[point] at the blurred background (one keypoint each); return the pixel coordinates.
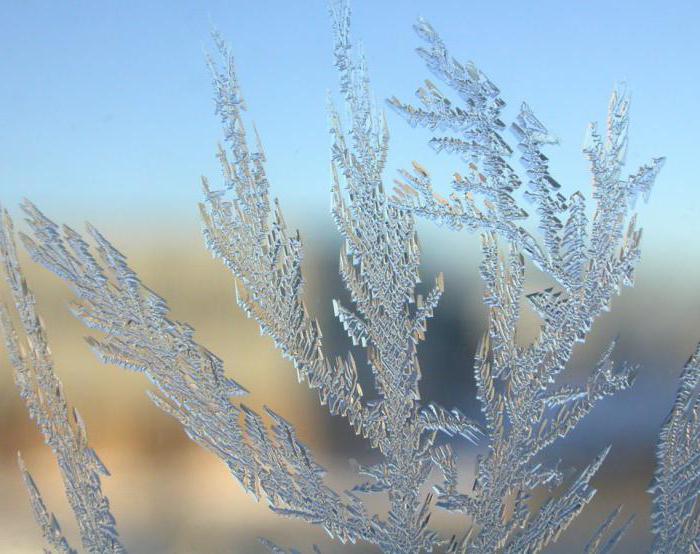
(107, 116)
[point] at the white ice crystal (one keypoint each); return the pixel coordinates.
(676, 485)
(525, 410)
(63, 429)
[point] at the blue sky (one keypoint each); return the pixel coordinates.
(107, 110)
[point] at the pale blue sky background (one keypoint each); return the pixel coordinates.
(107, 112)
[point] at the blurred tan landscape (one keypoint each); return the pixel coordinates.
(169, 495)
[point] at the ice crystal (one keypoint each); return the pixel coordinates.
(274, 549)
(63, 429)
(588, 262)
(524, 407)
(190, 379)
(676, 485)
(379, 265)
(598, 543)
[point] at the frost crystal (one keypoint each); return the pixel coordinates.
(379, 265)
(588, 262)
(598, 544)
(676, 485)
(190, 379)
(525, 409)
(63, 429)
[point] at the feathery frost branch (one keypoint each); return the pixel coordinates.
(675, 518)
(588, 261)
(379, 265)
(190, 379)
(63, 429)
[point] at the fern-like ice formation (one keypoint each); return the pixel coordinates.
(63, 429)
(524, 409)
(676, 485)
(588, 262)
(379, 265)
(190, 379)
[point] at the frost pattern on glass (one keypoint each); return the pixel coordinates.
(190, 379)
(676, 484)
(62, 427)
(379, 265)
(524, 409)
(588, 261)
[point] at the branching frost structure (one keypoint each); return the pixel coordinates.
(190, 379)
(676, 485)
(379, 265)
(63, 429)
(588, 262)
(587, 259)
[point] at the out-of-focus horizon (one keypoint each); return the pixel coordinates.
(169, 495)
(108, 118)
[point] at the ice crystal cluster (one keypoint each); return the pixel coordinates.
(62, 427)
(676, 486)
(587, 259)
